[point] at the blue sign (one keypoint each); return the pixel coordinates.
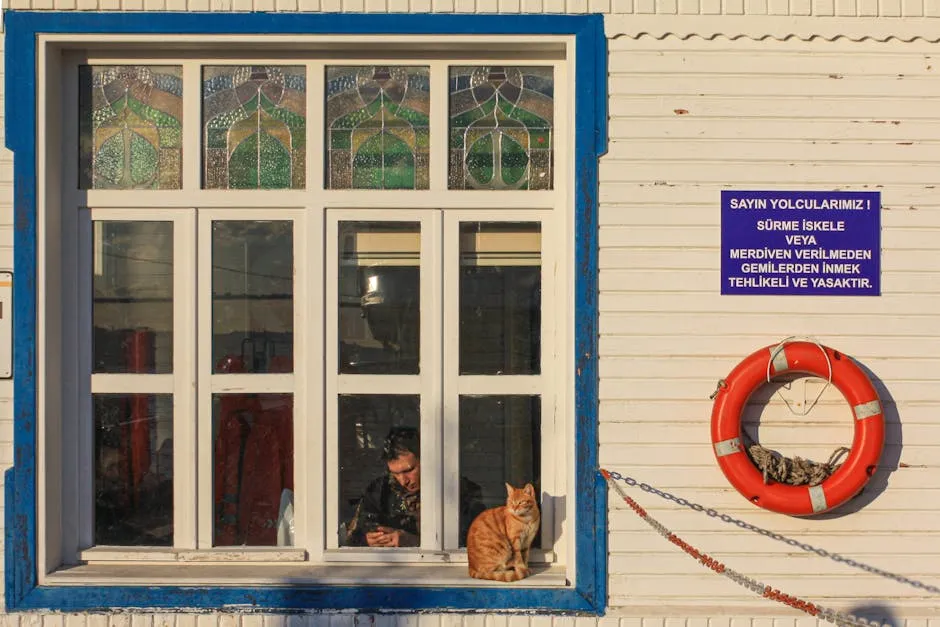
(804, 243)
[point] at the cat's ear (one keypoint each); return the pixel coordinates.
(530, 490)
(509, 489)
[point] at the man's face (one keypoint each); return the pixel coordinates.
(406, 468)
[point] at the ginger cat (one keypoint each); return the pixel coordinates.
(499, 538)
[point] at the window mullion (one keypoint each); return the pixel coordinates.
(434, 281)
(433, 484)
(438, 140)
(83, 339)
(450, 401)
(192, 126)
(120, 383)
(203, 422)
(316, 146)
(309, 427)
(190, 460)
(378, 384)
(331, 407)
(185, 431)
(551, 434)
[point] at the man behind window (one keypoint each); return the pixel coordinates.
(389, 512)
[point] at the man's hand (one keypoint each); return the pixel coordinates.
(386, 536)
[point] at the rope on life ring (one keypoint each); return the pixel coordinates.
(804, 357)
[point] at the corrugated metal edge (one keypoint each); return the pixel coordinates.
(759, 28)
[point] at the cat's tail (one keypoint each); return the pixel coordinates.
(495, 575)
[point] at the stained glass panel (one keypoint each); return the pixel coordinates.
(377, 125)
(501, 127)
(130, 123)
(254, 119)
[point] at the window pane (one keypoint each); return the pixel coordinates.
(500, 442)
(500, 298)
(254, 119)
(133, 469)
(130, 119)
(252, 296)
(132, 304)
(379, 297)
(379, 473)
(377, 127)
(501, 127)
(253, 466)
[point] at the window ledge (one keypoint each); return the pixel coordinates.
(161, 554)
(417, 575)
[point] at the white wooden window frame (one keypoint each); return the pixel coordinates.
(438, 383)
(65, 495)
(425, 384)
(542, 384)
(209, 384)
(179, 383)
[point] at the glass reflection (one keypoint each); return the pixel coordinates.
(132, 303)
(500, 298)
(379, 297)
(500, 442)
(252, 296)
(379, 474)
(253, 469)
(133, 469)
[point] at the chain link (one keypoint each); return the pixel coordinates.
(832, 616)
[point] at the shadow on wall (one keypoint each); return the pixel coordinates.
(890, 458)
(877, 612)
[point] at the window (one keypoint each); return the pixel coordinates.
(263, 271)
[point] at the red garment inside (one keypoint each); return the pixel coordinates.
(254, 461)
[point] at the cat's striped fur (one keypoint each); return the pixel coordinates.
(499, 538)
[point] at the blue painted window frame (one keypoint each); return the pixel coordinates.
(22, 592)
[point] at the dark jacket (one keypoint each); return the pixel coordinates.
(385, 503)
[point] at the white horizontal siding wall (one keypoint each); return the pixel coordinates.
(688, 118)
(822, 8)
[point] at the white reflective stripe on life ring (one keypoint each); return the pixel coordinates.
(867, 410)
(728, 447)
(779, 358)
(818, 498)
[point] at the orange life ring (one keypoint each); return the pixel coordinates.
(808, 358)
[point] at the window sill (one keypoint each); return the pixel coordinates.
(537, 557)
(234, 555)
(277, 575)
(161, 554)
